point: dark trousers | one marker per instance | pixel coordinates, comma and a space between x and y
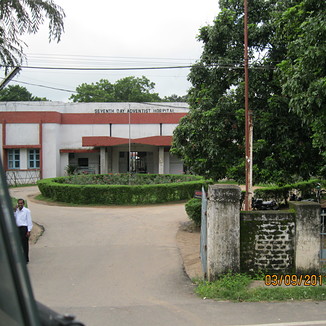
24, 240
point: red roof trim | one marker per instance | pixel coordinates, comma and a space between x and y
64, 150
20, 146
104, 141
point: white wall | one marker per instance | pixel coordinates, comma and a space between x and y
136, 131
22, 134
71, 135
51, 154
64, 161
167, 129
176, 166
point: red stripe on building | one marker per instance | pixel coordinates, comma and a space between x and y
21, 146
121, 118
90, 118
103, 141
31, 117
64, 150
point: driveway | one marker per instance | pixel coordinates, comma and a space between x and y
122, 266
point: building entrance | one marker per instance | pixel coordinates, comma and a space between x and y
133, 162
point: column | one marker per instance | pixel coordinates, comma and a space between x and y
161, 160
223, 230
307, 237
103, 161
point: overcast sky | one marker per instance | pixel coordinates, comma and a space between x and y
118, 34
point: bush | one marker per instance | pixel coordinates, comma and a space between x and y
113, 194
193, 209
306, 190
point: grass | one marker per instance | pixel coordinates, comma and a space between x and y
235, 287
23, 185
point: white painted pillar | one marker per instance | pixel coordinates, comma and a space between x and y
161, 160
103, 161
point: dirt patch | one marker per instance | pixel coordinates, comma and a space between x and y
188, 239
36, 232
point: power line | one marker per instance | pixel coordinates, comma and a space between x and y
55, 88
104, 69
221, 66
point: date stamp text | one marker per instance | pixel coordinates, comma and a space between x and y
294, 280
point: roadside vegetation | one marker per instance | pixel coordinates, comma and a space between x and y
238, 287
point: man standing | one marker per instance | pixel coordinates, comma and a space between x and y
24, 224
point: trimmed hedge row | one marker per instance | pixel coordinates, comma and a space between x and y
119, 194
305, 188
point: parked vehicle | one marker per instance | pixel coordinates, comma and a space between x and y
18, 306
261, 205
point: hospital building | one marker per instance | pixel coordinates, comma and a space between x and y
44, 139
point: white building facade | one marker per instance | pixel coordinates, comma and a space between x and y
45, 139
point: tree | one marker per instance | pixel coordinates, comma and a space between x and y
20, 17
135, 89
302, 28
210, 139
18, 93
128, 89
101, 91
175, 98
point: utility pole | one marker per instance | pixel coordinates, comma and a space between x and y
248, 116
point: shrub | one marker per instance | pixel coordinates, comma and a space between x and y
116, 194
306, 190
193, 209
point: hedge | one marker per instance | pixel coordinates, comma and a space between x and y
119, 194
279, 194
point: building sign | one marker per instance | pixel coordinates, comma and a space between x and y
149, 110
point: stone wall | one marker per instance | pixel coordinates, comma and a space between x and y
267, 241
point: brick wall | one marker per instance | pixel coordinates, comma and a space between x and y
267, 241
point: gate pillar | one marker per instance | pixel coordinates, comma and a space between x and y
223, 230
307, 237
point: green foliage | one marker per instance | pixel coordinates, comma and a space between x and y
175, 98
17, 93
71, 169
210, 139
128, 89
126, 179
281, 194
227, 287
235, 287
302, 29
193, 209
116, 194
21, 17
13, 202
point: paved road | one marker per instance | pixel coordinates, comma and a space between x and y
121, 266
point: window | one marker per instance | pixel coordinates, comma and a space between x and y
13, 158
33, 158
83, 162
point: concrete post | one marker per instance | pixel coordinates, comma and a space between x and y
223, 230
161, 160
307, 237
103, 161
